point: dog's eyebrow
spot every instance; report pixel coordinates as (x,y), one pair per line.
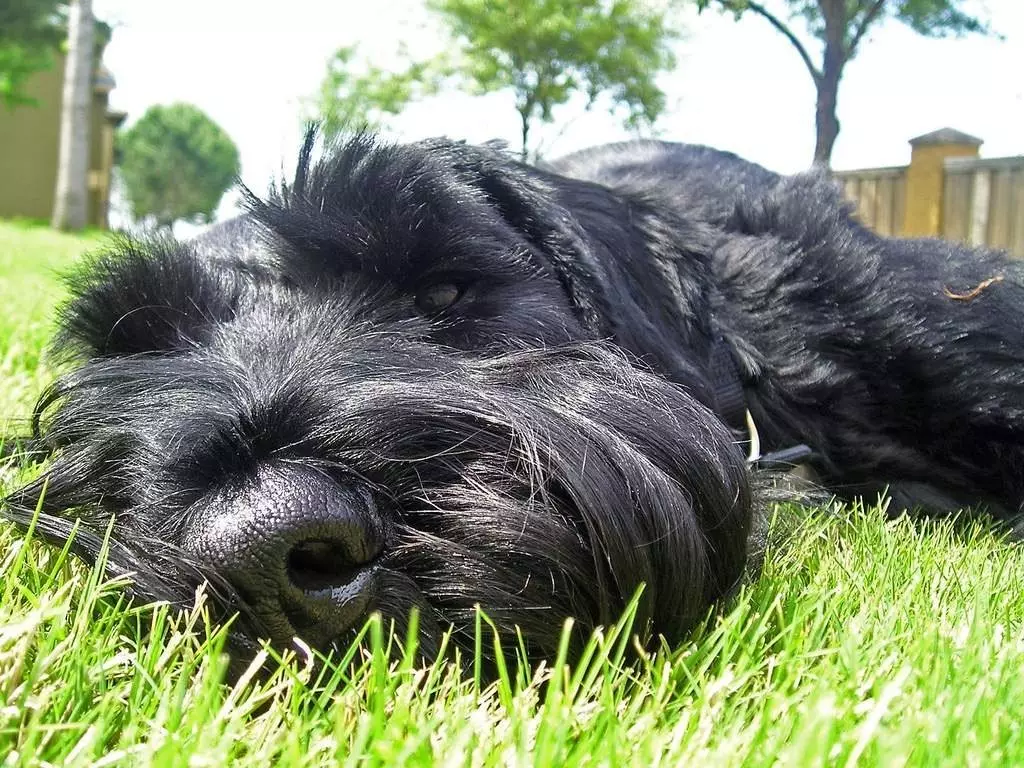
(395,212)
(402,252)
(146,295)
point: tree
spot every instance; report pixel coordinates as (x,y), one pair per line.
(72,193)
(350,97)
(31,31)
(840,26)
(544,51)
(176,163)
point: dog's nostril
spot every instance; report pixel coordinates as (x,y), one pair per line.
(316,565)
(298,546)
(317,556)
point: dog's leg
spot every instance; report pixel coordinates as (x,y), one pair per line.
(901,362)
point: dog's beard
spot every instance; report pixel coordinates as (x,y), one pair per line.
(514,463)
(536,484)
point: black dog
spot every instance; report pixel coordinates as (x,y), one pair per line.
(428,376)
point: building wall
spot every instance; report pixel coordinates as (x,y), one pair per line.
(29,145)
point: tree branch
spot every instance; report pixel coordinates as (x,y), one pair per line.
(869,17)
(774,20)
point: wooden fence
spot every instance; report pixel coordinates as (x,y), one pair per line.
(880,195)
(983,202)
(946,191)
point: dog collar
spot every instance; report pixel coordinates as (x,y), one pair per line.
(731,405)
(730,400)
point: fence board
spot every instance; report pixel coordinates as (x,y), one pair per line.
(867,200)
(879,197)
(899,204)
(1000,209)
(1017,237)
(851,188)
(956,206)
(981,197)
(884,207)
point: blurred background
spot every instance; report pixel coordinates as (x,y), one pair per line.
(128,113)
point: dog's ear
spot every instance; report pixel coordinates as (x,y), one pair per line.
(139,297)
(529,203)
(616,256)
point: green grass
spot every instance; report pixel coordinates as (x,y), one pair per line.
(864,642)
(31,259)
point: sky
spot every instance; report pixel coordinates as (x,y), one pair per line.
(254,66)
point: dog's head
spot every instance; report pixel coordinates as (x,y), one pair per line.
(390,386)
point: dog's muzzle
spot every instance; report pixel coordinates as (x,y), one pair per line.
(298,546)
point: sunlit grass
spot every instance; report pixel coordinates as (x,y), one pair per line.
(31,261)
(865,641)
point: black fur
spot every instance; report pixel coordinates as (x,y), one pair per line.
(547,443)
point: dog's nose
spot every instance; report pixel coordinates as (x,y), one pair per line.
(298,546)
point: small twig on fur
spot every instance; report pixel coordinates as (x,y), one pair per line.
(974,292)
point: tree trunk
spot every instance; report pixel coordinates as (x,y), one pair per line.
(825,120)
(524,153)
(72,195)
(826,82)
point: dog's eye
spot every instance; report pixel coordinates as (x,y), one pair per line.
(437,297)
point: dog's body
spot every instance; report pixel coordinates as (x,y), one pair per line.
(428,376)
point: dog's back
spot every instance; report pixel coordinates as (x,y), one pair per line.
(907,340)
(706,182)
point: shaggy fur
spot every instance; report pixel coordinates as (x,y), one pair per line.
(429,376)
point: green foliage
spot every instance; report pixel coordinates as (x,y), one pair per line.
(176,163)
(544,51)
(938,18)
(17,65)
(358,94)
(31,31)
(853,18)
(32,22)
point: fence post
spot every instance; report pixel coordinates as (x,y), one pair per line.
(922,215)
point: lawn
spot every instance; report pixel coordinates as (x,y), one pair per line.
(863,642)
